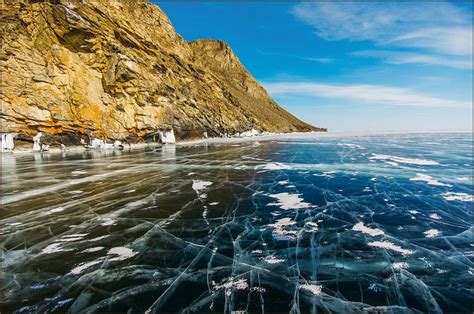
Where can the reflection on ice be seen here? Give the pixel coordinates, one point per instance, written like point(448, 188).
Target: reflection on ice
point(315, 224)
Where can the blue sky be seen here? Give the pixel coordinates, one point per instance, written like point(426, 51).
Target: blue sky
point(346, 66)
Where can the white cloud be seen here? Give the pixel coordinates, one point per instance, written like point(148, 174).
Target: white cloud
point(437, 27)
point(364, 93)
point(321, 60)
point(398, 57)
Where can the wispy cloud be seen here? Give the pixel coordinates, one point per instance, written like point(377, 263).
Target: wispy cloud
point(365, 94)
point(321, 60)
point(398, 57)
point(288, 55)
point(439, 28)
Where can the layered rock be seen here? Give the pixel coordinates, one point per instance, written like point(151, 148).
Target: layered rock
point(118, 70)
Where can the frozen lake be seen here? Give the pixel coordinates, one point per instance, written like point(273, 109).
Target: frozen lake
point(343, 223)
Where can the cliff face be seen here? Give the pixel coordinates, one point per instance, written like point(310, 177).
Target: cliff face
point(117, 69)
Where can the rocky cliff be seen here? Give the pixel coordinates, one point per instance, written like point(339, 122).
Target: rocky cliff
point(117, 69)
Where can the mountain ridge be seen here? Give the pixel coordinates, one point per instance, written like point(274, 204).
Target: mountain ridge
point(119, 70)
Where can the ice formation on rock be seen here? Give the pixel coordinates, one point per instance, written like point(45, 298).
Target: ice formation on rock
point(37, 142)
point(8, 143)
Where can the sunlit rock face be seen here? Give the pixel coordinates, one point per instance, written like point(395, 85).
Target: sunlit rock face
point(308, 224)
point(116, 70)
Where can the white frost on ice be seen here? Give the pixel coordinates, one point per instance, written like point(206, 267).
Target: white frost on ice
point(373, 232)
point(428, 179)
point(435, 216)
point(93, 249)
point(327, 174)
point(413, 211)
point(390, 246)
point(76, 192)
point(313, 226)
point(55, 210)
point(400, 265)
point(314, 289)
point(52, 248)
point(453, 196)
point(122, 253)
point(289, 201)
point(107, 222)
point(273, 260)
point(81, 267)
point(240, 284)
point(273, 166)
point(432, 233)
point(350, 145)
point(78, 172)
point(403, 160)
point(280, 233)
point(199, 186)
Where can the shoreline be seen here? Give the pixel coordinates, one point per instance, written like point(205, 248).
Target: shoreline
point(231, 140)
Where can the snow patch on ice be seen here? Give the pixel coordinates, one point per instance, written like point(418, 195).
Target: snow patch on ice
point(229, 286)
point(432, 233)
point(403, 160)
point(314, 289)
point(122, 253)
point(273, 260)
point(400, 265)
point(93, 249)
point(280, 233)
point(81, 267)
point(428, 179)
point(435, 216)
point(273, 166)
point(453, 196)
point(107, 222)
point(199, 186)
point(373, 232)
point(390, 246)
point(289, 201)
point(55, 210)
point(313, 226)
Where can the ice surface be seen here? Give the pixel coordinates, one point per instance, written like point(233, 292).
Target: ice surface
point(317, 223)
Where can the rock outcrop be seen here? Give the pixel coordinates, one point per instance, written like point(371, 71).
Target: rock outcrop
point(118, 70)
